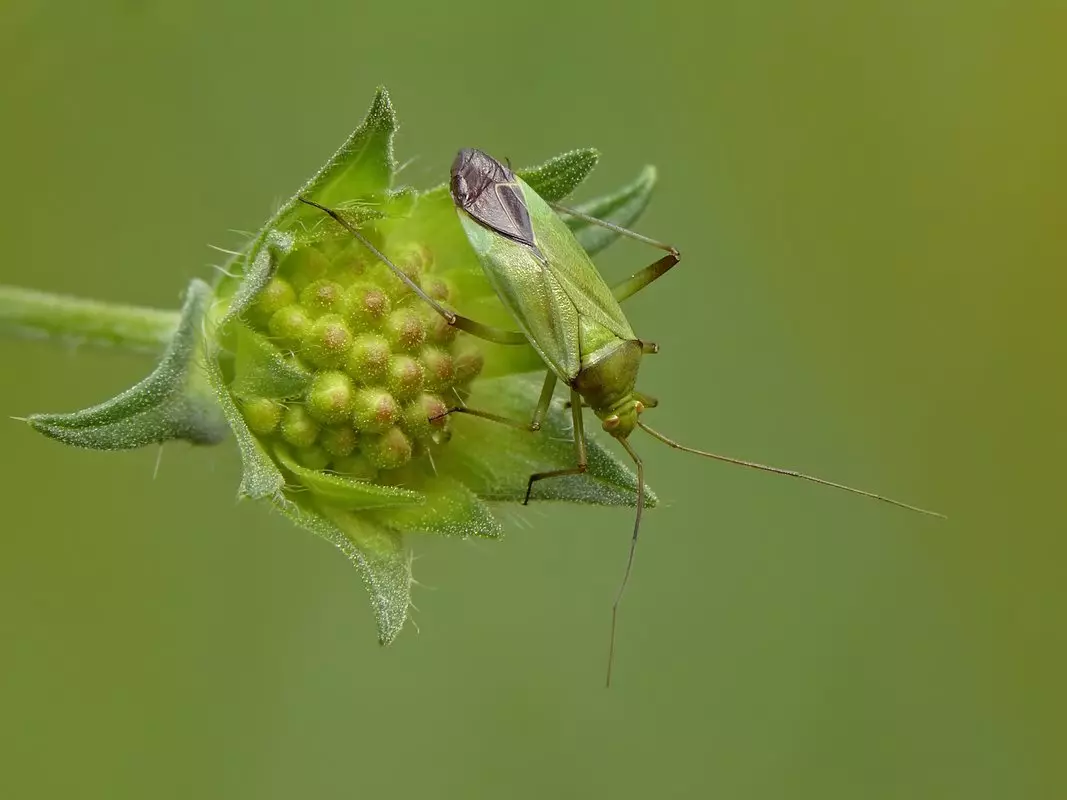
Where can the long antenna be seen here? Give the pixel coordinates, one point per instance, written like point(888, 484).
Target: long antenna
point(633, 547)
point(787, 472)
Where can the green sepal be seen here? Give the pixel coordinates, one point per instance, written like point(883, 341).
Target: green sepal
point(260, 476)
point(346, 493)
point(262, 369)
point(621, 208)
point(364, 165)
point(559, 176)
point(383, 561)
point(451, 509)
point(357, 175)
point(171, 403)
point(496, 467)
point(265, 254)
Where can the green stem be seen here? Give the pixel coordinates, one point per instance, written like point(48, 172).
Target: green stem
point(29, 314)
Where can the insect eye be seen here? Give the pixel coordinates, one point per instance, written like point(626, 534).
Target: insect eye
point(459, 188)
point(612, 422)
point(639, 407)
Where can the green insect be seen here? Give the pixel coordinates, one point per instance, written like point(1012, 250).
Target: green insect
point(567, 313)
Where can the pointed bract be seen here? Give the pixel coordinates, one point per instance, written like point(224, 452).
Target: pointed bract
point(171, 403)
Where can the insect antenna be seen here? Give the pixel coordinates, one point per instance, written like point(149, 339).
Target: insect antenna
point(787, 472)
point(633, 547)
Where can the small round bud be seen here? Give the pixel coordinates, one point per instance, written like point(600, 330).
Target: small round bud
point(323, 297)
point(390, 450)
point(405, 329)
point(440, 367)
point(357, 466)
point(289, 326)
point(339, 441)
point(467, 360)
point(405, 377)
point(438, 288)
point(298, 428)
point(438, 331)
point(261, 414)
point(367, 305)
point(331, 397)
point(375, 410)
point(368, 358)
point(328, 341)
point(426, 414)
point(305, 266)
point(313, 457)
point(276, 295)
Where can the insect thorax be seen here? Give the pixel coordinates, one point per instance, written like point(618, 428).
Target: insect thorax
point(608, 376)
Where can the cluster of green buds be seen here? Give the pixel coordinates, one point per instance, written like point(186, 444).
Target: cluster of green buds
point(385, 367)
point(336, 379)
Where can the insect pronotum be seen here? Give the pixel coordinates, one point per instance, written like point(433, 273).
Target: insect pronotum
point(568, 314)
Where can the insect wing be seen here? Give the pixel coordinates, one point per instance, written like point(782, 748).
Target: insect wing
point(532, 294)
point(572, 268)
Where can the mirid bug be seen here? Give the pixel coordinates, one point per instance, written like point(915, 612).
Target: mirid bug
point(568, 314)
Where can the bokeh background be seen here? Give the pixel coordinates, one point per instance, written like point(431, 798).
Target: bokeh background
point(869, 198)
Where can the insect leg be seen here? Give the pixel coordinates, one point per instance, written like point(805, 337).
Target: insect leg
point(579, 449)
point(477, 329)
point(639, 280)
point(543, 403)
point(611, 226)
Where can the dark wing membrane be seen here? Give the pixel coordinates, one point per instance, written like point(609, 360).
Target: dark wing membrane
point(502, 208)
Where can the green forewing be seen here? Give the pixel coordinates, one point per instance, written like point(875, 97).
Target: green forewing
point(561, 302)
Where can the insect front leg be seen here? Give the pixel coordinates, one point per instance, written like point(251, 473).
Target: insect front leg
point(543, 403)
point(579, 450)
point(486, 332)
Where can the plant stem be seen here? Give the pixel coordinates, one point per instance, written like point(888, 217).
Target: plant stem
point(29, 314)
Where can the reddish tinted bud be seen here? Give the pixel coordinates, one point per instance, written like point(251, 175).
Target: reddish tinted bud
point(375, 410)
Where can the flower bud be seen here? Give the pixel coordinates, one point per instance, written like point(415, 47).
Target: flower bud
point(440, 368)
point(298, 428)
point(331, 397)
point(425, 415)
point(390, 450)
point(339, 441)
point(366, 306)
point(405, 377)
point(467, 359)
point(327, 341)
point(375, 410)
point(289, 326)
point(405, 329)
point(368, 358)
point(323, 297)
point(262, 414)
point(276, 295)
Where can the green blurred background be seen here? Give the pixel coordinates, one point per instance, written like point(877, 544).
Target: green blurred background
point(869, 198)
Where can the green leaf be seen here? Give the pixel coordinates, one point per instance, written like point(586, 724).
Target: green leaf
point(262, 369)
point(558, 177)
point(622, 208)
point(171, 403)
point(344, 492)
point(364, 164)
point(451, 509)
point(496, 463)
point(261, 477)
point(383, 561)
